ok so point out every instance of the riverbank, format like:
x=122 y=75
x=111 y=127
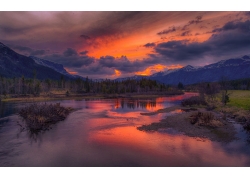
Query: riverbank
x=219 y=129
x=63 y=96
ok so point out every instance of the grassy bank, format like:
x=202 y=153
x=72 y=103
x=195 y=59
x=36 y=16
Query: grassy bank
x=207 y=117
x=240 y=99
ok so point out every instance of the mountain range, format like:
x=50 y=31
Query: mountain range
x=235 y=68
x=13 y=64
x=232 y=69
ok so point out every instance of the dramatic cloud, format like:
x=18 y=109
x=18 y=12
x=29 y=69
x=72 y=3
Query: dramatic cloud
x=195 y=21
x=171 y=29
x=124 y=64
x=70 y=58
x=107 y=44
x=28 y=51
x=182 y=50
x=231 y=40
x=244 y=27
x=110 y=25
x=83 y=52
x=149 y=45
x=70 y=52
x=186 y=33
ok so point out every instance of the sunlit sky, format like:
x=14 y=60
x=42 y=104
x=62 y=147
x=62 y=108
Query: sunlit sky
x=109 y=44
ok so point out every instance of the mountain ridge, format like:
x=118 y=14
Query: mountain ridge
x=233 y=68
x=13 y=65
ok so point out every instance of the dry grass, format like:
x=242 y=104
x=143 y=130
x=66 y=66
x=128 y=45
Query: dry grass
x=194 y=101
x=205 y=119
x=40 y=116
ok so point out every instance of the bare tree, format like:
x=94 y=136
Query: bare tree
x=224 y=83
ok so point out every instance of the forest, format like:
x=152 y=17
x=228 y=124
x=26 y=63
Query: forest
x=19 y=87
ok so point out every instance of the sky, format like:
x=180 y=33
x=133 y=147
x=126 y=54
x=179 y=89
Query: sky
x=113 y=44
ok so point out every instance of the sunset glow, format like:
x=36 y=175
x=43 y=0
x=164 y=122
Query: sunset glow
x=70 y=72
x=113 y=44
x=157 y=68
x=117 y=73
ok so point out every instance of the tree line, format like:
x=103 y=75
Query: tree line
x=31 y=86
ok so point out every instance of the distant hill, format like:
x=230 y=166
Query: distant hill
x=13 y=64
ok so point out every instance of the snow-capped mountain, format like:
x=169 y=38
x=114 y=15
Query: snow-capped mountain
x=163 y=73
x=235 y=68
x=13 y=64
x=55 y=66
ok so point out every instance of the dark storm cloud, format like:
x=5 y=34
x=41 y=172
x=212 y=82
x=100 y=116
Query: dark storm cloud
x=232 y=25
x=149 y=45
x=231 y=39
x=182 y=50
x=122 y=63
x=120 y=23
x=70 y=52
x=195 y=21
x=83 y=53
x=125 y=65
x=70 y=61
x=37 y=52
x=103 y=66
x=28 y=50
x=167 y=31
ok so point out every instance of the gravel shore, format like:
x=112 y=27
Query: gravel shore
x=223 y=132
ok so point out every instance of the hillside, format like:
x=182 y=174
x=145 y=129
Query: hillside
x=13 y=64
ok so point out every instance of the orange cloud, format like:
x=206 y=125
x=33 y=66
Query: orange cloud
x=117 y=73
x=70 y=72
x=157 y=68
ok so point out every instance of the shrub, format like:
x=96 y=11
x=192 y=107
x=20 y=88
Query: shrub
x=40 y=116
x=194 y=100
x=205 y=119
x=67 y=93
x=202 y=118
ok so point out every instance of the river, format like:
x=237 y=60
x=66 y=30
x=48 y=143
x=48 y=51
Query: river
x=103 y=133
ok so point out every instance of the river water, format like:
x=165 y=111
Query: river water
x=103 y=133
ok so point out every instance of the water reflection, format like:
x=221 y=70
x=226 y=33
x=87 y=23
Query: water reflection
x=104 y=133
x=6 y=109
x=151 y=104
x=132 y=104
